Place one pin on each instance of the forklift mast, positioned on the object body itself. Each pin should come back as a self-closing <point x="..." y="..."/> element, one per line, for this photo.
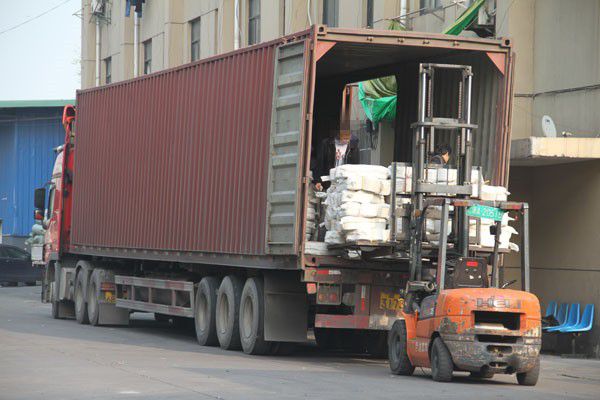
<point x="425" y="129"/>
<point x="458" y="132"/>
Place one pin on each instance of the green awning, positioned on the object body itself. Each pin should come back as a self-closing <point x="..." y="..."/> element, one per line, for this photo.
<point x="378" y="96"/>
<point x="465" y="19"/>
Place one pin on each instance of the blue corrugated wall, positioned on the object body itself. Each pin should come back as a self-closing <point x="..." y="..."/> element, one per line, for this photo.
<point x="27" y="139"/>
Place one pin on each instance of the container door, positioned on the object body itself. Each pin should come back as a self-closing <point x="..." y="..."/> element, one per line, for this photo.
<point x="288" y="122"/>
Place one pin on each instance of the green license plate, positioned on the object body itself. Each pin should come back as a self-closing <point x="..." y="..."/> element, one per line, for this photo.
<point x="480" y="211"/>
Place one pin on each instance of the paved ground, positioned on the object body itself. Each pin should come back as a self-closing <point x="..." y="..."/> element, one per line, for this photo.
<point x="43" y="358"/>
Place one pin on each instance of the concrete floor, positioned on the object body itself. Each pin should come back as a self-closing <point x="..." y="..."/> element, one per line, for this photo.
<point x="43" y="358"/>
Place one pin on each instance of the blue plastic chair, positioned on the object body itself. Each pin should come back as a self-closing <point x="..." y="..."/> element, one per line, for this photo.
<point x="561" y="316"/>
<point x="587" y="320"/>
<point x="572" y="319"/>
<point x="551" y="309"/>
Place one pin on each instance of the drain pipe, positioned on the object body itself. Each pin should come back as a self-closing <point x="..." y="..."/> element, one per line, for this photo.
<point x="136" y="43"/>
<point x="97" y="51"/>
<point x="236" y="25"/>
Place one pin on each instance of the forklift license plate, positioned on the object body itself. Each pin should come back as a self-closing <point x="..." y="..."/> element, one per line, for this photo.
<point x="480" y="211"/>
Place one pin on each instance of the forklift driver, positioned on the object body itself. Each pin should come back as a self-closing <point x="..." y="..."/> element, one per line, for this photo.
<point x="341" y="147"/>
<point x="441" y="155"/>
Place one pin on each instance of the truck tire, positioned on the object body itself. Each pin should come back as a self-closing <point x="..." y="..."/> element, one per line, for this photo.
<point x="397" y="350"/>
<point x="228" y="313"/>
<point x="205" y="310"/>
<point x="93" y="306"/>
<point x="252" y="317"/>
<point x="530" y="377"/>
<point x="442" y="365"/>
<point x="81" y="311"/>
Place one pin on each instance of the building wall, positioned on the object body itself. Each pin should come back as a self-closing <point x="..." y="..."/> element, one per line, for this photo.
<point x="168" y="24"/>
<point x="27" y="137"/>
<point x="564" y="234"/>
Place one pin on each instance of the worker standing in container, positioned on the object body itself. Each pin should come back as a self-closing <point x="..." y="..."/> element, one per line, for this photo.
<point x="441" y="155"/>
<point x="341" y="147"/>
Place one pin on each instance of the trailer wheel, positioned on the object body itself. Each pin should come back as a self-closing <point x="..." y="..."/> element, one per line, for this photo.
<point x="442" y="365"/>
<point x="93" y="307"/>
<point x="397" y="352"/>
<point x="205" y="310"/>
<point x="530" y="377"/>
<point x="228" y="313"/>
<point x="81" y="312"/>
<point x="252" y="316"/>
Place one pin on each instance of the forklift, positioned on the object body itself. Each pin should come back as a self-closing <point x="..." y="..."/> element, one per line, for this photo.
<point x="458" y="314"/>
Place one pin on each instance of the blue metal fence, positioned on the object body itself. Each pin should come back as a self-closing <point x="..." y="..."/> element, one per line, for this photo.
<point x="27" y="139"/>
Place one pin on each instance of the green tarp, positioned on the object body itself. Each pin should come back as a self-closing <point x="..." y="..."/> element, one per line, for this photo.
<point x="378" y="96"/>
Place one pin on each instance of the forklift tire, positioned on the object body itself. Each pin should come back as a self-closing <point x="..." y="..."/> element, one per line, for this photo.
<point x="441" y="362"/>
<point x="397" y="351"/>
<point x="530" y="377"/>
<point x="81" y="312"/>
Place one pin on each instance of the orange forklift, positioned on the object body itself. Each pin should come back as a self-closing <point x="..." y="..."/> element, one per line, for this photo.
<point x="458" y="315"/>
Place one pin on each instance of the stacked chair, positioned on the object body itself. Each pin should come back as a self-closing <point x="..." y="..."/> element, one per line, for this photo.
<point x="570" y="320"/>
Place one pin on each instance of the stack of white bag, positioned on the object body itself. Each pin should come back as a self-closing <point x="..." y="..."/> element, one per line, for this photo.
<point x="355" y="205"/>
<point x="479" y="233"/>
<point x="311" y="215"/>
<point x="440" y="176"/>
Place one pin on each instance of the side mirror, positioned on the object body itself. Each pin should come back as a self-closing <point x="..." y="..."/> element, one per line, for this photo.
<point x="39" y="199"/>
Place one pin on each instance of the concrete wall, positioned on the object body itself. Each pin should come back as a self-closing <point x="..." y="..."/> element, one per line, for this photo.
<point x="564" y="234"/>
<point x="167" y="23"/>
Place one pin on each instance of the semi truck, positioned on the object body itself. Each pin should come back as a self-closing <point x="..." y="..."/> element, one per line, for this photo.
<point x="184" y="192"/>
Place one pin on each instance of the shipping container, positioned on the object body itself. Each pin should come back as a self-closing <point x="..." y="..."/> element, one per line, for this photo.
<point x="196" y="178"/>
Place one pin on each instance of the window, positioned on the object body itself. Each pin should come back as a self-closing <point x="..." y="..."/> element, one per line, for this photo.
<point x="14" y="253"/>
<point x="370" y="13"/>
<point x="330" y="12"/>
<point x="253" y="22"/>
<point x="427" y="5"/>
<point x="195" y="42"/>
<point x="108" y="69"/>
<point x="148" y="56"/>
<point x="50" y="209"/>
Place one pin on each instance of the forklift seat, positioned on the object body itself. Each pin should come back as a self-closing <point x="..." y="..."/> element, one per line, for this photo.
<point x="467" y="273"/>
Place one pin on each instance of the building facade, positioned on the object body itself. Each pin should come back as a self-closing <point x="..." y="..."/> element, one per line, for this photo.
<point x="29" y="131"/>
<point x="555" y="162"/>
<point x="175" y="32"/>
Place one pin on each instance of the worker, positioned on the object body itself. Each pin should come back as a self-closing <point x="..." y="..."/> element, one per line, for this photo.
<point x="341" y="147"/>
<point x="441" y="155"/>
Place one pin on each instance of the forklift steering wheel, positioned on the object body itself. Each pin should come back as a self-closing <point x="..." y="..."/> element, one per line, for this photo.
<point x="507" y="284"/>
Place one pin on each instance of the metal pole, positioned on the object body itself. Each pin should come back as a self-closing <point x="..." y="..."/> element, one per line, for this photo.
<point x="495" y="275"/>
<point x="136" y="44"/>
<point x="393" y="225"/>
<point x="525" y="250"/>
<point x="97" y="51"/>
<point x="441" y="269"/>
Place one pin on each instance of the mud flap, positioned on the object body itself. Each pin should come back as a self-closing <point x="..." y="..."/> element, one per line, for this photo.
<point x="286" y="307"/>
<point x="109" y="313"/>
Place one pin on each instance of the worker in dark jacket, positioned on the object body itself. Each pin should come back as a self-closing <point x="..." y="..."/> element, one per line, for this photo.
<point x="441" y="155"/>
<point x="340" y="148"/>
